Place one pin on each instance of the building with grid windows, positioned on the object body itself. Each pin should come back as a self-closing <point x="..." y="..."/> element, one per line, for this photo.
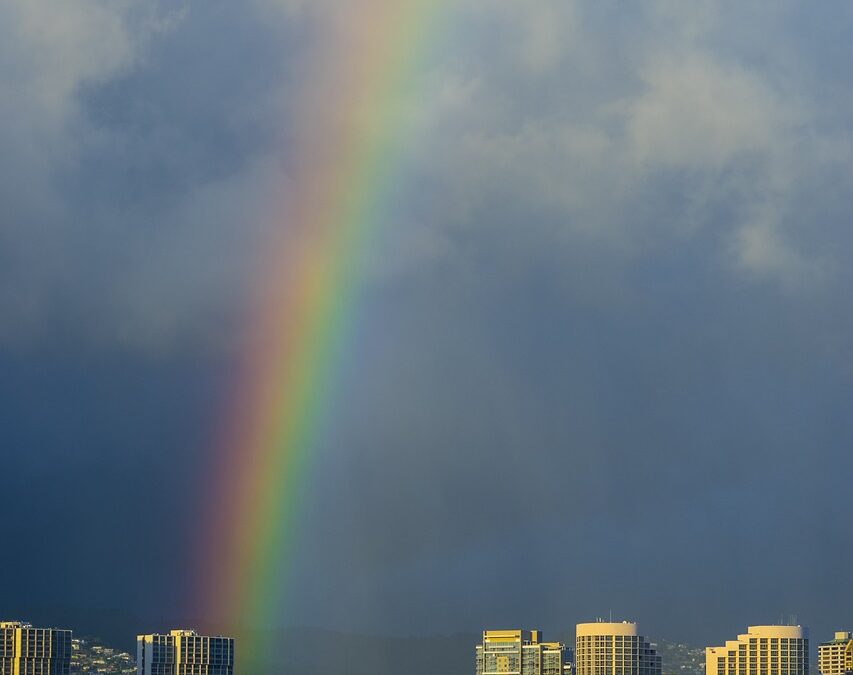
<point x="25" y="650"/>
<point x="608" y="648"/>
<point x="762" y="650"/>
<point x="836" y="656"/>
<point x="520" y="652"/>
<point x="184" y="652"/>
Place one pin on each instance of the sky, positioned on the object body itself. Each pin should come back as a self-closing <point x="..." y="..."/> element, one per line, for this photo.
<point x="601" y="360"/>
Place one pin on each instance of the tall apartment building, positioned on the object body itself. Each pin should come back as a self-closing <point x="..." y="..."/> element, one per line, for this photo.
<point x="608" y="648"/>
<point x="762" y="650"/>
<point x="836" y="656"/>
<point x="184" y="652"/>
<point x="25" y="650"/>
<point x="520" y="652"/>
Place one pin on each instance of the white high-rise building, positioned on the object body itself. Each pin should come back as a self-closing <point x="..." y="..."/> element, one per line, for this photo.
<point x="836" y="656"/>
<point x="762" y="650"/>
<point x="184" y="652"/>
<point x="519" y="652"/>
<point x="25" y="650"/>
<point x="608" y="648"/>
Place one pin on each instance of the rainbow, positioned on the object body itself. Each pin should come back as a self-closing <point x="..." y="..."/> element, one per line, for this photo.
<point x="351" y="119"/>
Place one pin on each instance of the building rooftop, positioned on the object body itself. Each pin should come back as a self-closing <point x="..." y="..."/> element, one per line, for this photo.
<point x="841" y="637"/>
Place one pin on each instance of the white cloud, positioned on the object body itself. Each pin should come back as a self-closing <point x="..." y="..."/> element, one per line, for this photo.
<point x="736" y="136"/>
<point x="570" y="127"/>
<point x="762" y="250"/>
<point x="47" y="51"/>
<point x="57" y="46"/>
<point x="698" y="113"/>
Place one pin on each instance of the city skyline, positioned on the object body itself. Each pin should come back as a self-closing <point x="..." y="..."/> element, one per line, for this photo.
<point x="602" y="647"/>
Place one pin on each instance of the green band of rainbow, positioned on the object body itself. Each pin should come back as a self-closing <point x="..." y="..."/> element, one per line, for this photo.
<point x="353" y="120"/>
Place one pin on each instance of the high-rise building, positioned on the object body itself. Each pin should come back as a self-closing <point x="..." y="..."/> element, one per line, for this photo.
<point x="607" y="648"/>
<point x="184" y="652"/>
<point x="520" y="652"/>
<point x="25" y="650"/>
<point x="836" y="656"/>
<point x="762" y="650"/>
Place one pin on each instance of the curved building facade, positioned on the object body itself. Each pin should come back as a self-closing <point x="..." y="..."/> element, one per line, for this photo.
<point x="762" y="650"/>
<point x="611" y="648"/>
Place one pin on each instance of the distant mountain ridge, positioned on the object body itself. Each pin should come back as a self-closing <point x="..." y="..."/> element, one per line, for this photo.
<point x="681" y="659"/>
<point x="90" y="656"/>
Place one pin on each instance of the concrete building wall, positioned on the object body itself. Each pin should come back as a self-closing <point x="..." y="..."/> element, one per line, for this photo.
<point x="611" y="648"/>
<point x="762" y="650"/>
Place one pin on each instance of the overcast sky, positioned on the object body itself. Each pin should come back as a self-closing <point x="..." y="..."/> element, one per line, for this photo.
<point x="601" y="360"/>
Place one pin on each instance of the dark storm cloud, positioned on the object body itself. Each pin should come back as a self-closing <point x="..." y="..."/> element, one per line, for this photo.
<point x="602" y="357"/>
<point x="147" y="131"/>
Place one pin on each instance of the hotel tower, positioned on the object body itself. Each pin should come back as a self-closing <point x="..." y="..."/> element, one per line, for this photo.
<point x="184" y="652"/>
<point x="836" y="656"/>
<point x="762" y="650"/>
<point x="520" y="652"/>
<point x="607" y="648"/>
<point x="25" y="650"/>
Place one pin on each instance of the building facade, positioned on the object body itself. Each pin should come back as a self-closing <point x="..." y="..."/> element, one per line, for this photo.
<point x="25" y="650"/>
<point x="184" y="652"/>
<point x="762" y="650"/>
<point x="520" y="652"/>
<point x="608" y="648"/>
<point x="836" y="656"/>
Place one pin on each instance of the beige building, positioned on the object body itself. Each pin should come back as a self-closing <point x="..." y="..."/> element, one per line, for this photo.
<point x="25" y="650"/>
<point x="762" y="650"/>
<point x="519" y="652"/>
<point x="614" y="648"/>
<point x="184" y="652"/>
<point x="836" y="656"/>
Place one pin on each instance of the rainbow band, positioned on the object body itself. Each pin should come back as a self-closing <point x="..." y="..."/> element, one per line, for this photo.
<point x="352" y="121"/>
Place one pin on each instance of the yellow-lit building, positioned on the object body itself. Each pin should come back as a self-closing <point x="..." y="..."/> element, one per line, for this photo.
<point x="614" y="648"/>
<point x="520" y="652"/>
<point x="836" y="656"/>
<point x="762" y="650"/>
<point x="184" y="652"/>
<point x="25" y="650"/>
